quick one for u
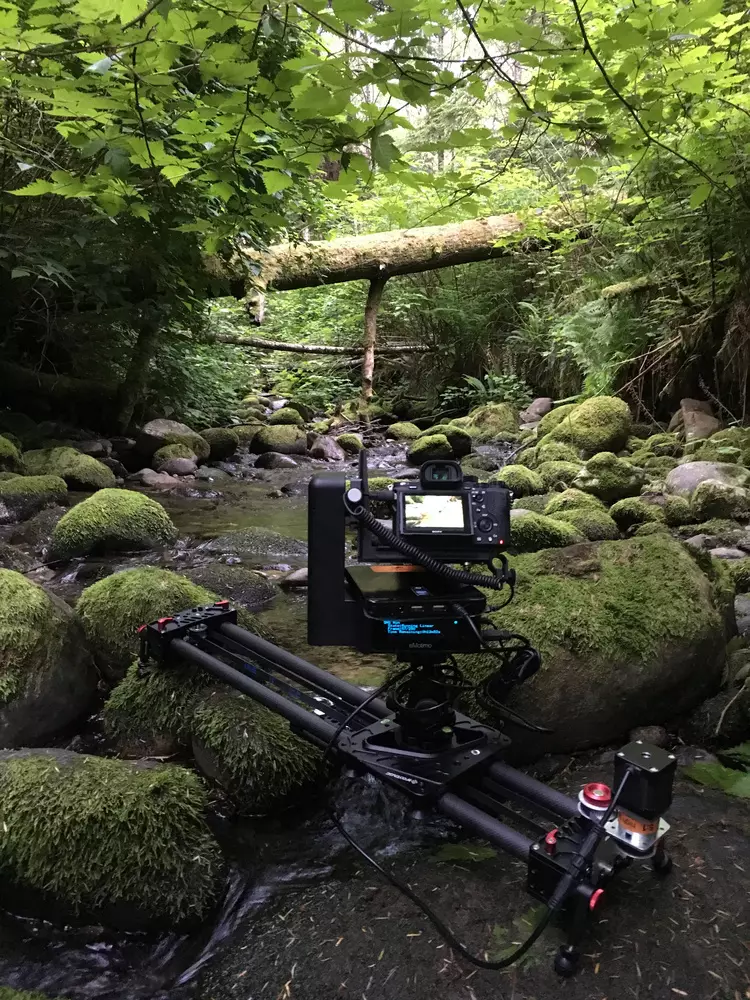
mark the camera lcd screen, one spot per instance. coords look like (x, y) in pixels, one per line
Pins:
(435, 512)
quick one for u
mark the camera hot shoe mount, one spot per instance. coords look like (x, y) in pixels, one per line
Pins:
(416, 741)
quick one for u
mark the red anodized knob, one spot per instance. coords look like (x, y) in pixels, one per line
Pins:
(597, 795)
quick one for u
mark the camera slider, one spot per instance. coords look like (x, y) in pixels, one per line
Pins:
(442, 759)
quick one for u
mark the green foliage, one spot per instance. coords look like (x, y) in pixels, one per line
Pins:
(112, 520)
(462, 853)
(491, 388)
(93, 833)
(726, 779)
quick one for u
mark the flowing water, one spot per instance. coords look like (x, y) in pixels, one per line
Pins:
(268, 857)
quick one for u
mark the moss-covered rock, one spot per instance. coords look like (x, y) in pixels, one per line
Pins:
(20, 426)
(556, 451)
(523, 482)
(286, 439)
(10, 457)
(550, 420)
(594, 524)
(632, 511)
(111, 521)
(713, 498)
(683, 480)
(47, 675)
(711, 450)
(169, 451)
(571, 499)
(536, 504)
(286, 415)
(236, 583)
(531, 532)
(483, 462)
(655, 465)
(527, 458)
(246, 431)
(195, 442)
(610, 478)
(223, 442)
(650, 528)
(112, 609)
(403, 430)
(459, 437)
(488, 421)
(21, 497)
(433, 446)
(263, 543)
(739, 570)
(124, 843)
(7, 993)
(720, 527)
(80, 472)
(677, 511)
(558, 474)
(351, 443)
(663, 444)
(631, 633)
(251, 752)
(601, 424)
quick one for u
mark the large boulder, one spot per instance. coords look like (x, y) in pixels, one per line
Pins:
(21, 497)
(458, 437)
(10, 456)
(236, 583)
(697, 420)
(686, 477)
(631, 633)
(537, 409)
(530, 532)
(80, 472)
(491, 420)
(286, 415)
(599, 424)
(262, 543)
(430, 447)
(86, 838)
(157, 433)
(47, 675)
(223, 442)
(521, 481)
(595, 525)
(403, 430)
(351, 443)
(327, 449)
(610, 478)
(112, 520)
(111, 611)
(558, 474)
(714, 498)
(284, 439)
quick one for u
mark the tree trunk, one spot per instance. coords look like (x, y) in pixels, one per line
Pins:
(286, 266)
(18, 383)
(261, 343)
(131, 388)
(374, 296)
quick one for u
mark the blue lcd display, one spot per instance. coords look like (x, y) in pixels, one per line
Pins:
(396, 627)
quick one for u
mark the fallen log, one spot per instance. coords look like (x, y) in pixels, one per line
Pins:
(281, 345)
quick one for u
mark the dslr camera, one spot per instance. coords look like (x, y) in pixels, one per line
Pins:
(404, 592)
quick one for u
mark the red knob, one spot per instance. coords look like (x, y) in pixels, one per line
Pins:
(597, 794)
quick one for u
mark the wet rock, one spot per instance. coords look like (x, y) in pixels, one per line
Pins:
(210, 474)
(297, 578)
(122, 843)
(36, 533)
(97, 448)
(121, 445)
(47, 674)
(742, 613)
(738, 666)
(80, 472)
(697, 420)
(685, 478)
(694, 755)
(273, 460)
(23, 496)
(11, 557)
(236, 583)
(157, 433)
(650, 734)
(727, 553)
(116, 466)
(327, 449)
(698, 541)
(178, 467)
(536, 410)
(257, 542)
(156, 480)
(285, 439)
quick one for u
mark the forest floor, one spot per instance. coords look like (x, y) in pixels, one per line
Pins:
(687, 936)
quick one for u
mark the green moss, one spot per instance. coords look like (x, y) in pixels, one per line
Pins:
(595, 525)
(10, 457)
(651, 528)
(24, 496)
(536, 504)
(287, 439)
(550, 420)
(223, 442)
(113, 608)
(112, 520)
(286, 415)
(716, 526)
(556, 451)
(713, 498)
(169, 451)
(572, 500)
(80, 472)
(733, 437)
(378, 483)
(351, 443)
(150, 706)
(6, 993)
(610, 478)
(483, 462)
(246, 432)
(601, 424)
(657, 465)
(663, 444)
(527, 458)
(631, 511)
(556, 474)
(197, 444)
(253, 400)
(739, 570)
(256, 757)
(491, 419)
(403, 430)
(434, 446)
(531, 532)
(677, 511)
(32, 634)
(94, 833)
(459, 438)
(523, 482)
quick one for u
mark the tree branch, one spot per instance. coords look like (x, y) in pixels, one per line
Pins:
(260, 343)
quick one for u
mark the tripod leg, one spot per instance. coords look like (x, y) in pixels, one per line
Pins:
(661, 862)
(568, 955)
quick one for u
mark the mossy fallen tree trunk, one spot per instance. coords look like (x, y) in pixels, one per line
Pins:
(378, 256)
(261, 343)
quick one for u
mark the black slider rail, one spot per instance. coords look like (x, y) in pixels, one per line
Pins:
(465, 780)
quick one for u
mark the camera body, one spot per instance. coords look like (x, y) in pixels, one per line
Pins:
(388, 601)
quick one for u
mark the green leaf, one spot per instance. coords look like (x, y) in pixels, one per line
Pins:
(700, 194)
(35, 188)
(735, 783)
(465, 852)
(174, 172)
(740, 754)
(586, 175)
(274, 181)
(384, 150)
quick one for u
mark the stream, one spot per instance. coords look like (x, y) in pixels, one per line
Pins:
(269, 857)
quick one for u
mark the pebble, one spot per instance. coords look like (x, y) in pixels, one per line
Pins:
(298, 578)
(728, 553)
(691, 755)
(742, 612)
